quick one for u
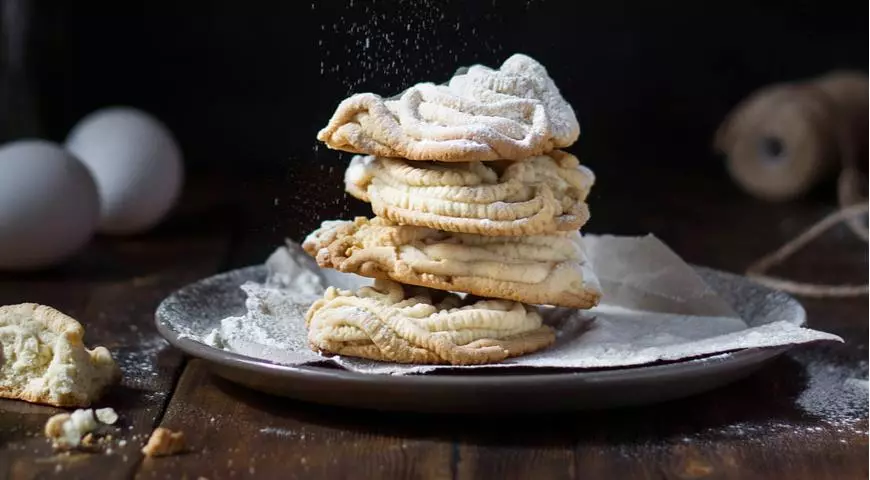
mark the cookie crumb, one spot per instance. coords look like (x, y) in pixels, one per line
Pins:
(107, 415)
(54, 425)
(88, 440)
(66, 430)
(164, 442)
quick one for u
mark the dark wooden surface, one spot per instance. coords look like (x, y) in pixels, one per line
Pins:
(755, 428)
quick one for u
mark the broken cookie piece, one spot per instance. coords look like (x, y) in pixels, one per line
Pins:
(164, 442)
(43, 358)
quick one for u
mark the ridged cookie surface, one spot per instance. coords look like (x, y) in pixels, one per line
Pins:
(539, 269)
(481, 114)
(541, 194)
(43, 359)
(403, 324)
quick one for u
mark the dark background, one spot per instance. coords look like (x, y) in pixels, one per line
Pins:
(246, 85)
(251, 82)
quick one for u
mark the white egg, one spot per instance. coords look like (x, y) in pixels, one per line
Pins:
(49, 207)
(136, 163)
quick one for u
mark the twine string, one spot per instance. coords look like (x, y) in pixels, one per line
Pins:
(853, 210)
(757, 270)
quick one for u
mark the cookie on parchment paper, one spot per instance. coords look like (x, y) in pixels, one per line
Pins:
(405, 324)
(541, 269)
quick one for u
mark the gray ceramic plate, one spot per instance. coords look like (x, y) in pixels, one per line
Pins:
(198, 308)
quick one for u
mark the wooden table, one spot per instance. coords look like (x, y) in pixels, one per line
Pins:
(757, 428)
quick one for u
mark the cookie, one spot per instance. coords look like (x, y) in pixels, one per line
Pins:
(539, 269)
(542, 194)
(164, 442)
(481, 114)
(43, 359)
(396, 323)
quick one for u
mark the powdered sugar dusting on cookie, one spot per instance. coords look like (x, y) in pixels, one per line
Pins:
(400, 46)
(513, 112)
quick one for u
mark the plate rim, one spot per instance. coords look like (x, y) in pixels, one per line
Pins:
(239, 361)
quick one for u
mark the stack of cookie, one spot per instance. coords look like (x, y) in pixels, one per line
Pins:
(471, 195)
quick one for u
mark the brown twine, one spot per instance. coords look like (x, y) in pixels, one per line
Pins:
(853, 207)
(848, 193)
(757, 269)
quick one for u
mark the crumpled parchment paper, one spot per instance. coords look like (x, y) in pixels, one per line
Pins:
(655, 308)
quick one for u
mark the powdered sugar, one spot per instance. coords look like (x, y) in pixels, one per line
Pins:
(395, 43)
(835, 394)
(832, 405)
(282, 432)
(139, 362)
(273, 327)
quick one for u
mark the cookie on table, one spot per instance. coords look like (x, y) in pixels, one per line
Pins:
(481, 114)
(539, 269)
(43, 359)
(404, 324)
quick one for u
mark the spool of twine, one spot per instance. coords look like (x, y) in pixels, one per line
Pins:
(786, 138)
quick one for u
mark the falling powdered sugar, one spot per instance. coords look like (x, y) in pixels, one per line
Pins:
(395, 43)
